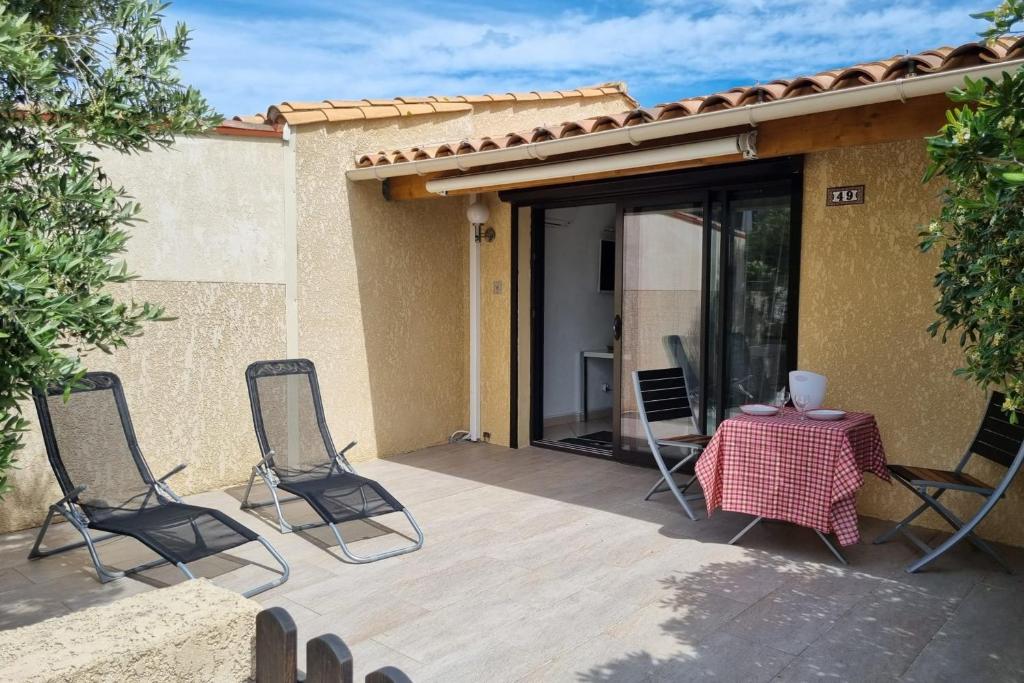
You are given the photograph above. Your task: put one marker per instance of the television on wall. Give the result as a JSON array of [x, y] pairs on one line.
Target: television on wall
[[606, 278]]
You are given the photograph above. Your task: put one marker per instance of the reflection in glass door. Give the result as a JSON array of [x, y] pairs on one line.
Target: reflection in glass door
[[661, 285], [756, 326]]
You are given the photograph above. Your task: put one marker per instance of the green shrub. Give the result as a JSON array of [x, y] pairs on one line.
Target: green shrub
[[75, 76], [980, 231]]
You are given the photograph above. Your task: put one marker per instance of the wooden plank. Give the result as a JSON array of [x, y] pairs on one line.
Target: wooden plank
[[387, 674], [873, 124], [276, 646], [328, 660], [867, 125]]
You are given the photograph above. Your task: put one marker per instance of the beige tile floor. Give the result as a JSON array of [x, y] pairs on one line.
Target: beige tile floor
[[545, 566]]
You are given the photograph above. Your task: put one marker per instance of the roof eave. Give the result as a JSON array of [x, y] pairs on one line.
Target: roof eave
[[749, 114]]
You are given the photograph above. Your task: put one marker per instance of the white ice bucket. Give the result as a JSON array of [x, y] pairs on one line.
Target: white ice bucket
[[808, 384]]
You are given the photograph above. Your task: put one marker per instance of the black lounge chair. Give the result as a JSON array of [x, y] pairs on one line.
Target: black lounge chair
[[108, 487], [997, 440], [298, 456]]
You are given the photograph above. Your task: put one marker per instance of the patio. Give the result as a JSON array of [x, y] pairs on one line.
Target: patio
[[541, 566]]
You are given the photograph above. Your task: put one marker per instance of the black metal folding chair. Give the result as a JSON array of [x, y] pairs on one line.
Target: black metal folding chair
[[108, 487], [298, 456], [997, 440], [661, 395]]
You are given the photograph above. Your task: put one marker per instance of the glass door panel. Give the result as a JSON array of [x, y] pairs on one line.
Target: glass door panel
[[661, 289], [757, 330]]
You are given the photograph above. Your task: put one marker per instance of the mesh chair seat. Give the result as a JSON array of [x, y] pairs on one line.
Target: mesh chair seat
[[339, 496], [177, 532]]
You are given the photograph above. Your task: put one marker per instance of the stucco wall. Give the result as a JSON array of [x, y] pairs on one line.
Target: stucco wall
[[382, 286], [382, 292], [211, 252], [495, 322], [191, 632], [866, 297]]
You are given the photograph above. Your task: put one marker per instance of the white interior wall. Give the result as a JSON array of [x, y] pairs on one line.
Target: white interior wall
[[577, 315]]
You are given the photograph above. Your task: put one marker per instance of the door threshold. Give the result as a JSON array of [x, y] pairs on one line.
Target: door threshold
[[573, 448]]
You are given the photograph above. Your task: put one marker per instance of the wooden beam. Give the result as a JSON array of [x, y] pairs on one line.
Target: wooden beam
[[867, 125], [405, 187]]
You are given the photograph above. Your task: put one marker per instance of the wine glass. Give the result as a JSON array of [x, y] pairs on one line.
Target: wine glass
[[781, 399], [802, 403]]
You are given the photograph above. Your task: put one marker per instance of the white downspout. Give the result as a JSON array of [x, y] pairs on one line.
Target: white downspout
[[474, 330]]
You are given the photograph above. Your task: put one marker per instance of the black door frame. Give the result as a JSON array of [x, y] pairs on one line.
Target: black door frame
[[660, 189]]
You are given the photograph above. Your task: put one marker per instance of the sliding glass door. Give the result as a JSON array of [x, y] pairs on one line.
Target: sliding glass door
[[661, 292], [756, 323], [706, 286], [704, 280]]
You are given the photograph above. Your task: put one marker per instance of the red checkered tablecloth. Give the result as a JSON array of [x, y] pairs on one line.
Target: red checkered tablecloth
[[802, 471]]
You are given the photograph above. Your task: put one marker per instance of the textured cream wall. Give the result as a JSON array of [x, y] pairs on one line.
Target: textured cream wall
[[196, 630], [185, 385], [495, 323], [866, 297], [184, 379], [382, 287], [212, 208]]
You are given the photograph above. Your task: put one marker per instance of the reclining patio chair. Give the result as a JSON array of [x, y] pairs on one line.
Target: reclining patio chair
[[661, 395], [997, 440], [108, 487], [298, 456]]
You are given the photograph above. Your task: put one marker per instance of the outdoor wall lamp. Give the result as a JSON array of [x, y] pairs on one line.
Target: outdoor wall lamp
[[478, 213]]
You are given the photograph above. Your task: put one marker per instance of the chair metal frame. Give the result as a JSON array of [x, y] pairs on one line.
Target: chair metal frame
[[962, 529], [655, 444], [265, 470], [69, 508]]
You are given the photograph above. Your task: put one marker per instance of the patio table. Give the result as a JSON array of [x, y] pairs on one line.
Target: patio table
[[802, 471]]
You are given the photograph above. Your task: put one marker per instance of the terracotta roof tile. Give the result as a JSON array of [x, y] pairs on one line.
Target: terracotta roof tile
[[352, 114], [380, 112], [298, 113], [299, 117], [938, 60], [441, 107], [414, 109]]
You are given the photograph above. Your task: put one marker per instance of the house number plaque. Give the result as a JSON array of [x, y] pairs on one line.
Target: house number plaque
[[848, 194]]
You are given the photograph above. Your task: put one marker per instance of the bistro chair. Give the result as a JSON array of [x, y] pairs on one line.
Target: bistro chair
[[108, 486], [298, 456], [997, 440], [661, 395]]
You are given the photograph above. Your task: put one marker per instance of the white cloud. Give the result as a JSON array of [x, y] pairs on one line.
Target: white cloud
[[665, 49]]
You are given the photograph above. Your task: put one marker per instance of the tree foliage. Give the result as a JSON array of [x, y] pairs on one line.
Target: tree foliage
[[75, 76], [980, 280]]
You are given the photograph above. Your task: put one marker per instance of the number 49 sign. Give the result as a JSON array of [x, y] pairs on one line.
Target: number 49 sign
[[848, 194]]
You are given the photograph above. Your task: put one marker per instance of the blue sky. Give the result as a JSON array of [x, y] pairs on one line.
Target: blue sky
[[248, 54]]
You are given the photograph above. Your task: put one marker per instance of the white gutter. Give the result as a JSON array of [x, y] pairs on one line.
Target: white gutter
[[705, 149], [751, 114]]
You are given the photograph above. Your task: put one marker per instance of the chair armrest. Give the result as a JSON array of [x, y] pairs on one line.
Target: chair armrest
[[170, 474], [342, 460], [73, 494]]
